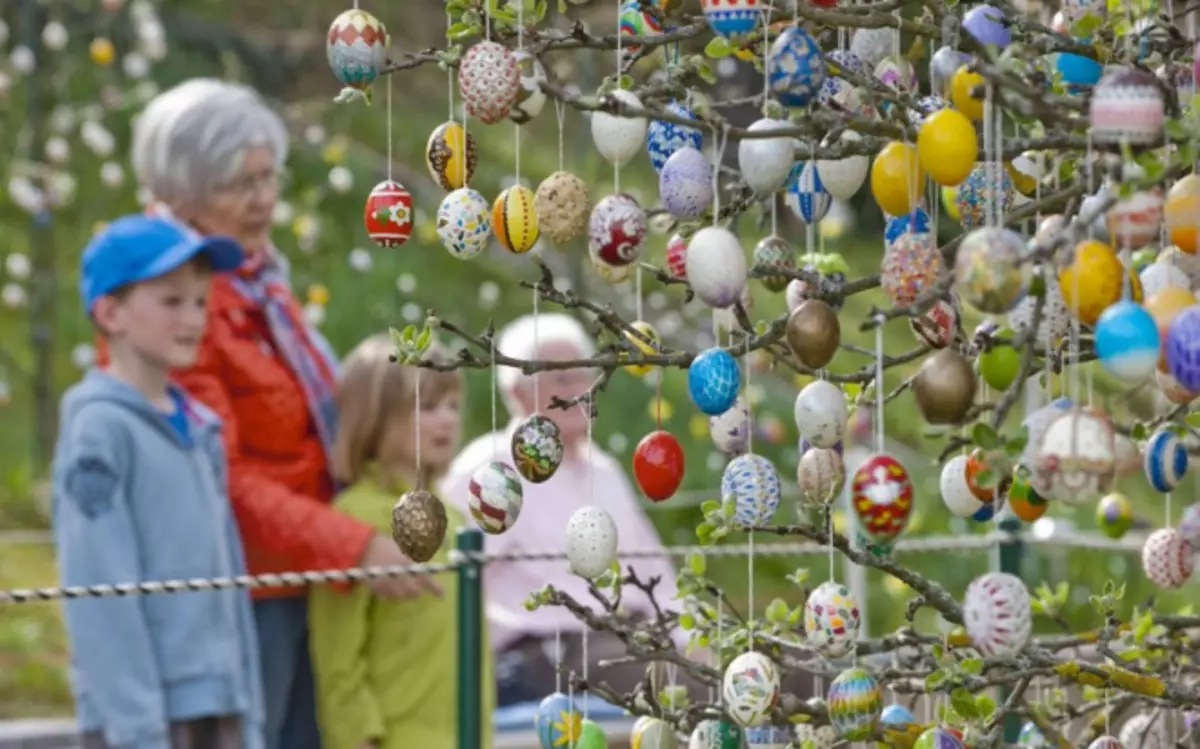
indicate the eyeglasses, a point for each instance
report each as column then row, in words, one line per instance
column 248, row 185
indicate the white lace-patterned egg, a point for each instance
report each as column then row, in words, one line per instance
column 998, row 615
column 843, row 178
column 685, row 184
column 716, row 266
column 765, row 163
column 820, row 475
column 956, row 491
column 731, row 430
column 821, row 413
column 591, row 542
column 619, row 139
column 1161, row 275
column 1167, row 558
column 832, row 619
column 1077, row 461
column 750, row 688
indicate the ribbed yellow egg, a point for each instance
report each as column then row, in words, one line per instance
column 514, row 219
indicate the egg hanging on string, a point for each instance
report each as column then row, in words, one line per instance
column 633, row 21
column 537, row 448
column 1114, row 515
column 730, row 430
column 820, row 411
column 882, row 497
column 654, row 733
column 714, row 381
column 831, row 619
column 451, row 156
column 731, row 18
column 820, row 476
column 944, row 387
column 652, row 345
column 388, row 214
column 715, row 734
column 912, row 265
column 1127, row 107
column 987, row 191
column 813, row 333
column 795, row 68
column 591, row 545
column 716, row 266
column 658, row 465
column 617, row 230
column 496, row 496
column 843, row 178
column 854, row 704
column 989, row 270
column 618, row 138
column 998, row 615
column 1077, row 459
column 419, row 525
column 1126, row 341
column 956, row 490
column 664, row 138
column 987, row 24
column 1135, row 220
column 1095, row 280
column 531, row 99
column 806, row 194
column 1167, row 558
column 943, row 65
column 765, row 163
column 558, row 721
column 562, row 206
column 937, row 326
column 356, row 48
column 773, row 253
column 514, row 219
column 751, row 484
column 489, row 81
column 685, row 184
column 1165, row 461
column 464, row 223
column 750, row 688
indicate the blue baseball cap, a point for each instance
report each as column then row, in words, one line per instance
column 140, row 247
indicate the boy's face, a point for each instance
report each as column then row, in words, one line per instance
column 161, row 321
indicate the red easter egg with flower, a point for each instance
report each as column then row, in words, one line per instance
column 677, row 256
column 658, row 465
column 388, row 214
column 882, row 495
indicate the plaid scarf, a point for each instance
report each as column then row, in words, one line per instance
column 263, row 280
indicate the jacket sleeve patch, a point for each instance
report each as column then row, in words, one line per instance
column 91, row 483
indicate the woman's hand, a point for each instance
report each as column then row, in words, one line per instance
column 382, row 552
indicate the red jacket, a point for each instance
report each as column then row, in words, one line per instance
column 279, row 481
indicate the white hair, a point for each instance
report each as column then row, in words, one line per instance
column 523, row 337
column 191, row 139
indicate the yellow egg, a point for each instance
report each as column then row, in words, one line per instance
column 660, row 410
column 334, row 151
column 514, row 220
column 950, row 203
column 1093, row 281
column 318, row 294
column 947, row 146
column 451, row 156
column 101, row 51
column 897, row 182
column 1026, row 184
column 961, row 86
column 648, row 331
column 1181, row 213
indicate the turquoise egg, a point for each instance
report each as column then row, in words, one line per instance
column 1127, row 341
column 714, row 380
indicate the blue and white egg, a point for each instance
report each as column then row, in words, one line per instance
column 838, row 60
column 768, row 737
column 714, row 381
column 752, row 485
column 556, row 720
column 685, row 184
column 664, row 138
column 1127, row 341
column 916, row 222
column 731, row 18
column 926, row 106
column 796, row 69
column 896, row 715
column 806, row 193
column 1165, row 460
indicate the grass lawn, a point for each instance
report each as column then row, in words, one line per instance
column 33, row 648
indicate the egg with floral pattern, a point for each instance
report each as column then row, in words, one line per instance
column 750, row 688
column 832, row 619
column 752, row 485
column 685, row 184
column 664, row 138
column 388, row 214
column 796, row 69
column 537, row 448
column 558, row 721
column 464, row 223
column 617, row 230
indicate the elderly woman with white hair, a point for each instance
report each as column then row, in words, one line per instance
column 524, row 641
column 210, row 153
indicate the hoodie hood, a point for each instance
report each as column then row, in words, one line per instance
column 98, row 385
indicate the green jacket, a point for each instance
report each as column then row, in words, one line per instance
column 387, row 670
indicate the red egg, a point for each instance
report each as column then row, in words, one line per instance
column 658, row 465
column 617, row 230
column 677, row 256
column 388, row 214
column 882, row 495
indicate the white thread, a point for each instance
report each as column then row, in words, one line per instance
column 495, row 433
column 417, row 420
column 389, row 127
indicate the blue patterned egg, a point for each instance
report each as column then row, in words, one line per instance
column 1165, row 461
column 1031, row 736
column 713, row 381
column 806, row 194
column 751, row 483
column 768, row 737
column 664, row 138
column 731, row 18
column 896, row 715
column 1127, row 340
column 796, row 69
column 987, row 188
column 1183, row 348
column 846, row 95
column 838, row 60
column 926, row 106
column 685, row 184
column 916, row 222
column 558, row 723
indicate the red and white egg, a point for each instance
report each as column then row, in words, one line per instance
column 1167, row 558
column 388, row 214
column 489, row 81
column 617, row 230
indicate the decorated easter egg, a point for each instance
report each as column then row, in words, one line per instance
column 1183, row 348
column 1172, row 390
column 872, row 45
column 765, row 163
column 831, row 619
column 947, row 146
column 770, row 253
column 618, row 138
column 989, row 269
column 882, row 496
column 356, row 48
column 464, row 223
column 820, row 412
column 938, row 737
column 1055, row 321
column 768, row 737
column 650, row 346
column 1106, row 742
column 558, row 722
column 388, row 214
column 750, row 688
column 636, row 22
column 664, row 138
column 1093, row 281
column 987, row 25
column 716, row 266
column 1127, row 341
column 591, row 736
column 531, row 99
column 537, row 448
column 1127, row 107
column 496, row 496
column 1036, row 424
column 944, row 387
column 1167, row 558
column 654, row 733
column 658, row 465
column 897, row 73
column 685, row 184
column 820, row 476
column 854, row 704
column 1077, row 459
column 714, row 380
column 911, row 265
column 795, row 68
column 676, row 256
column 806, row 195
column 815, row 737
column 1189, row 524
column 419, row 524
column 1114, row 515
column 946, row 61
column 956, row 490
column 937, row 326
column 617, row 229
column 1023, row 499
column 715, row 734
column 561, row 205
column 514, row 219
column 731, row 18
column 987, row 191
column 916, row 222
column 897, row 181
column 843, row 178
column 1135, row 220
column 1165, row 460
column 1180, row 211
column 926, row 106
column 1032, row 737
column 451, row 156
column 731, row 430
column 591, row 541
column 963, row 87
column 838, row 92
column 997, row 614
column 813, row 333
column 1162, row 275
column 752, row 485
column 1164, row 307
column 489, row 81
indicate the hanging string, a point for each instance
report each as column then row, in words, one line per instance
column 616, row 163
column 591, row 473
column 879, row 383
column 495, row 387
column 720, row 139
column 516, row 125
column 417, row 427
column 389, row 127
column 560, row 111
column 537, row 398
column 767, row 100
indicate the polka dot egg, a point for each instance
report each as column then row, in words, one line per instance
column 831, row 619
column 752, row 485
column 664, row 138
column 685, row 184
column 1165, row 460
column 464, row 223
column 591, row 542
column 496, row 496
column 1167, row 558
column 713, row 381
column 489, row 81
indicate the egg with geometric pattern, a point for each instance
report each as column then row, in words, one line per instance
column 751, row 484
column 997, row 614
column 714, row 381
column 854, row 704
column 489, row 81
column 1165, row 460
column 987, row 188
column 831, row 619
column 1167, row 558
column 664, row 138
column 496, row 496
column 514, row 219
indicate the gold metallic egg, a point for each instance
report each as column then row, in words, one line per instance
column 945, row 387
column 813, row 332
column 451, row 156
column 419, row 524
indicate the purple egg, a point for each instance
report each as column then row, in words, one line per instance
column 1183, row 348
column 986, row 24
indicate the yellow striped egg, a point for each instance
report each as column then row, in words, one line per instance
column 514, row 220
column 451, row 156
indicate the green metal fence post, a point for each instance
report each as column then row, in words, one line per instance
column 470, row 640
column 1012, row 548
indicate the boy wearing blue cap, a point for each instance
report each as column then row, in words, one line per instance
column 139, row 492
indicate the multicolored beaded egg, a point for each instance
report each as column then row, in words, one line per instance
column 806, row 193
column 558, row 722
column 537, row 448
column 1127, row 107
column 489, row 81
column 1165, row 460
column 561, row 204
column 795, row 68
column 617, row 229
column 731, row 430
column 987, row 190
column 685, row 184
column 451, row 156
column 388, row 214
column 664, row 138
column 731, row 18
column 464, row 223
column 514, row 219
column 752, row 485
column 854, row 704
column 714, row 380
column 1167, row 558
column 750, row 688
column 882, row 497
column 496, row 496
column 911, row 264
column 989, row 270
column 356, row 48
column 831, row 619
column 772, row 253
column 1114, row 515
column 997, row 614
